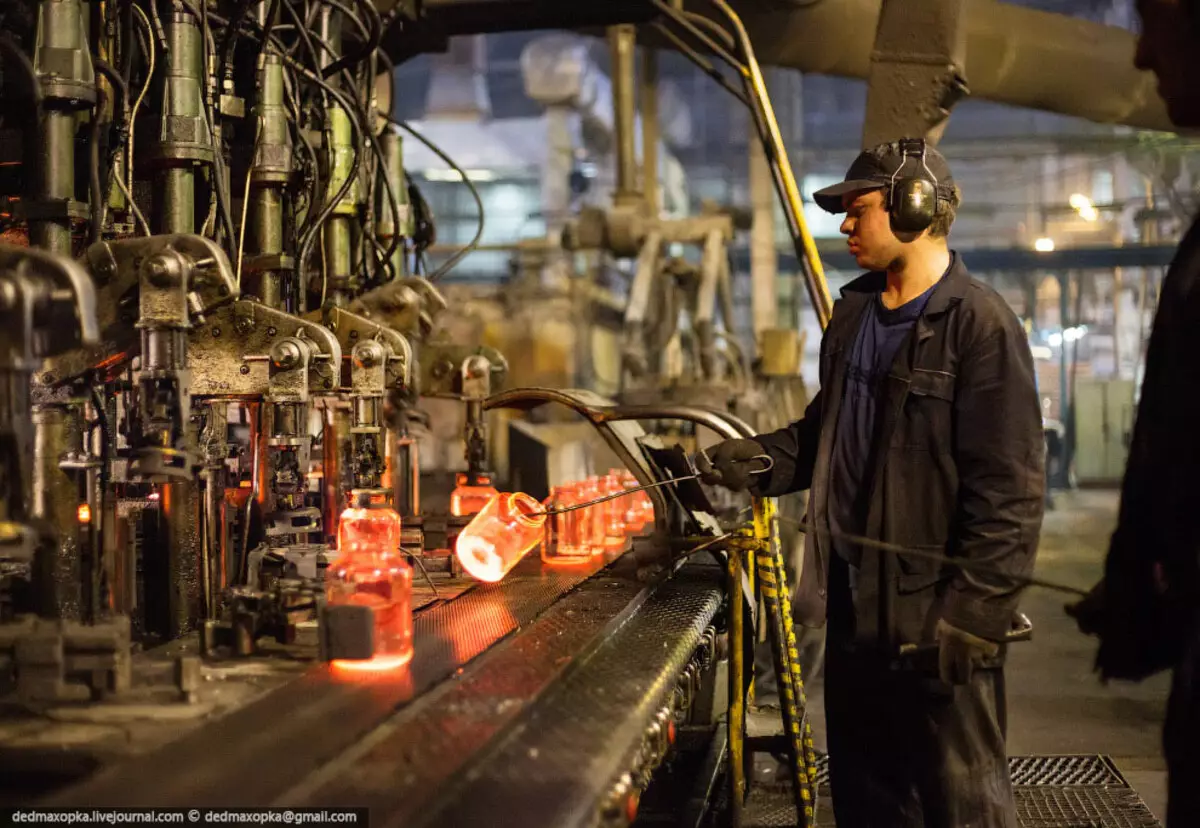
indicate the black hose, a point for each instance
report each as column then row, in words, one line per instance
column 95, row 186
column 230, row 39
column 450, row 263
column 13, row 52
column 375, row 28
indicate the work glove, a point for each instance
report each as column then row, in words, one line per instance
column 732, row 464
column 960, row 652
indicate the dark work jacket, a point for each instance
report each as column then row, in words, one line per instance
column 1152, row 569
column 958, row 466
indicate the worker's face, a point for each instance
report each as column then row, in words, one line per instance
column 869, row 231
column 1167, row 47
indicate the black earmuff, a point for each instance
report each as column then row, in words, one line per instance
column 912, row 201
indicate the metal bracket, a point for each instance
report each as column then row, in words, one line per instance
column 116, row 268
column 352, row 329
column 230, row 354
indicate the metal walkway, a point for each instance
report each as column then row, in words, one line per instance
column 1051, row 792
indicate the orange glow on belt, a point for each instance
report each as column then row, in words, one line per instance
column 379, row 664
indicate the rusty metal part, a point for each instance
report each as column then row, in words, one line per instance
column 409, row 306
column 352, row 329
column 230, row 354
column 116, row 270
column 443, row 363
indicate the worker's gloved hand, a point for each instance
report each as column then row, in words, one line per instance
column 960, row 652
column 731, row 464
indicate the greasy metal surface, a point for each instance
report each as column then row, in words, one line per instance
column 320, row 715
column 1051, row 792
column 555, row 764
column 916, row 70
column 400, row 766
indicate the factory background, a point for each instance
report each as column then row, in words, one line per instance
column 1071, row 220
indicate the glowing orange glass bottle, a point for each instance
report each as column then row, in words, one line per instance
column 371, row 571
column 564, row 541
column 471, row 495
column 614, row 510
column 591, row 518
column 500, row 535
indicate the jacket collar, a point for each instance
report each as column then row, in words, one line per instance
column 950, row 289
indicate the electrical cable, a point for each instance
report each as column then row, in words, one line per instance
column 450, row 263
column 373, row 36
column 95, row 187
column 14, row 53
column 148, row 45
column 241, row 241
column 966, row 565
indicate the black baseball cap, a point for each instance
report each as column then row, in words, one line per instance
column 874, row 168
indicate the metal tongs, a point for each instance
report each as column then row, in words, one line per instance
column 767, row 459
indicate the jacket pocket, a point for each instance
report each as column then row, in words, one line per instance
column 925, row 423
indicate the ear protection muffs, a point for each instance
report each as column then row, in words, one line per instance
column 912, row 201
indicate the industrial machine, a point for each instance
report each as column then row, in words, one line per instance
column 218, row 331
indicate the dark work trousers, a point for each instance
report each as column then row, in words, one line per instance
column 1181, row 738
column 904, row 750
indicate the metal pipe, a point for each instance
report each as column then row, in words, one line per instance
column 648, row 98
column 216, row 575
column 55, row 180
column 1014, row 55
column 63, row 65
column 269, row 174
column 622, row 41
column 55, row 500
column 184, row 137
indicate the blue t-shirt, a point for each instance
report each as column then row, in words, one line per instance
column 880, row 335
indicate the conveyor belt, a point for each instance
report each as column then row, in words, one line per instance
column 553, row 766
column 400, row 766
column 256, row 754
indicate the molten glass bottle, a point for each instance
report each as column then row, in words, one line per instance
column 500, row 535
column 614, row 510
column 371, row 571
column 635, row 505
column 564, row 542
column 471, row 494
column 591, row 519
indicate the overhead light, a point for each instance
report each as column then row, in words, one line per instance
column 1079, row 201
column 1044, row 245
column 1089, row 214
column 1055, row 340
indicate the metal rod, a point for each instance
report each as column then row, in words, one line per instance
column 635, row 489
column 621, row 41
column 736, row 717
column 648, row 94
column 960, row 563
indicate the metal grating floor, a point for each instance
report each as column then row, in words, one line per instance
column 1051, row 792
